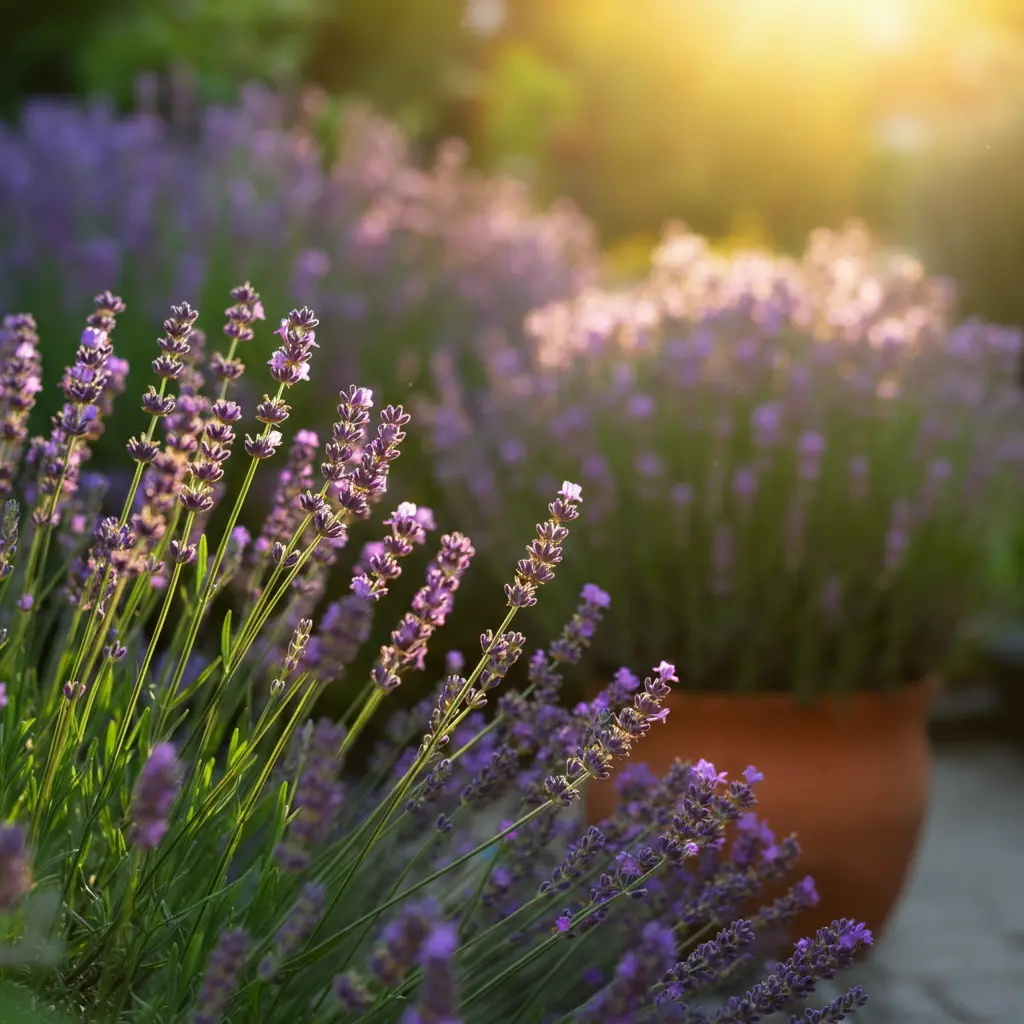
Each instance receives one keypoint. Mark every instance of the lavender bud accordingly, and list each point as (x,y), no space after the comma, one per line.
(74,690)
(264,446)
(143,450)
(183,554)
(156,405)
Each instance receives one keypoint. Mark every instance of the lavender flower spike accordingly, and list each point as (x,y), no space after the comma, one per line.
(635,975)
(545,552)
(290,363)
(296,929)
(221,978)
(437,998)
(317,797)
(154,796)
(430,608)
(20,382)
(15,876)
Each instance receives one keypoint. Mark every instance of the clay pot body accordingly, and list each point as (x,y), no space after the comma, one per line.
(850,776)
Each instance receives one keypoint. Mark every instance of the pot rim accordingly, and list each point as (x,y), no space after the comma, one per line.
(906,701)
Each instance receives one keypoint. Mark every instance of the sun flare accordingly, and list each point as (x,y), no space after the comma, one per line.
(877,24)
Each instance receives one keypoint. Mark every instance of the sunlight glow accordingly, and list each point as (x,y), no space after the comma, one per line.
(875,24)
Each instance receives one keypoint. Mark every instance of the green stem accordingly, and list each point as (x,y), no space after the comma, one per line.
(126,722)
(42,808)
(541,948)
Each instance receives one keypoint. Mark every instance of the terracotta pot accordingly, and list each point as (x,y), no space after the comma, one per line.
(850,776)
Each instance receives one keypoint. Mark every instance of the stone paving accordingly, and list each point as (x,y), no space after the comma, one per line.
(954,951)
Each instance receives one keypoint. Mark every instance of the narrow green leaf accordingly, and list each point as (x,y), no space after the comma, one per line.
(186,694)
(233,746)
(225,637)
(201,563)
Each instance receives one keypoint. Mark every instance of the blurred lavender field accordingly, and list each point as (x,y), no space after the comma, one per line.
(336,215)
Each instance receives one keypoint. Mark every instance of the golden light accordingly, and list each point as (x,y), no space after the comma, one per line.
(879,25)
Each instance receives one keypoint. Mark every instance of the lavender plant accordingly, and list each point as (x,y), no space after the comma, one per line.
(339,214)
(180,838)
(791,466)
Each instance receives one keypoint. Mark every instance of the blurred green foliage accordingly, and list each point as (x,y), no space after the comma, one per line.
(966,208)
(101,46)
(224,41)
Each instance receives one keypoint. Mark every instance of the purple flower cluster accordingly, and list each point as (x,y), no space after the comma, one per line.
(88,386)
(832,949)
(635,975)
(383,248)
(430,607)
(545,552)
(417,937)
(20,382)
(302,919)
(221,978)
(317,798)
(15,874)
(293,480)
(156,789)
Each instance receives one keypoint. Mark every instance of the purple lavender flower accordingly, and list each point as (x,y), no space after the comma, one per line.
(20,382)
(430,608)
(15,874)
(155,792)
(838,1010)
(290,363)
(366,483)
(897,539)
(298,926)
(402,942)
(297,476)
(351,992)
(637,972)
(59,458)
(813,960)
(766,423)
(544,553)
(318,795)
(810,448)
(221,978)
(344,629)
(383,564)
(436,1002)
(705,965)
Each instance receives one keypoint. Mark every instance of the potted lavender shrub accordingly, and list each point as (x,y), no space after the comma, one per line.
(178,841)
(786,465)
